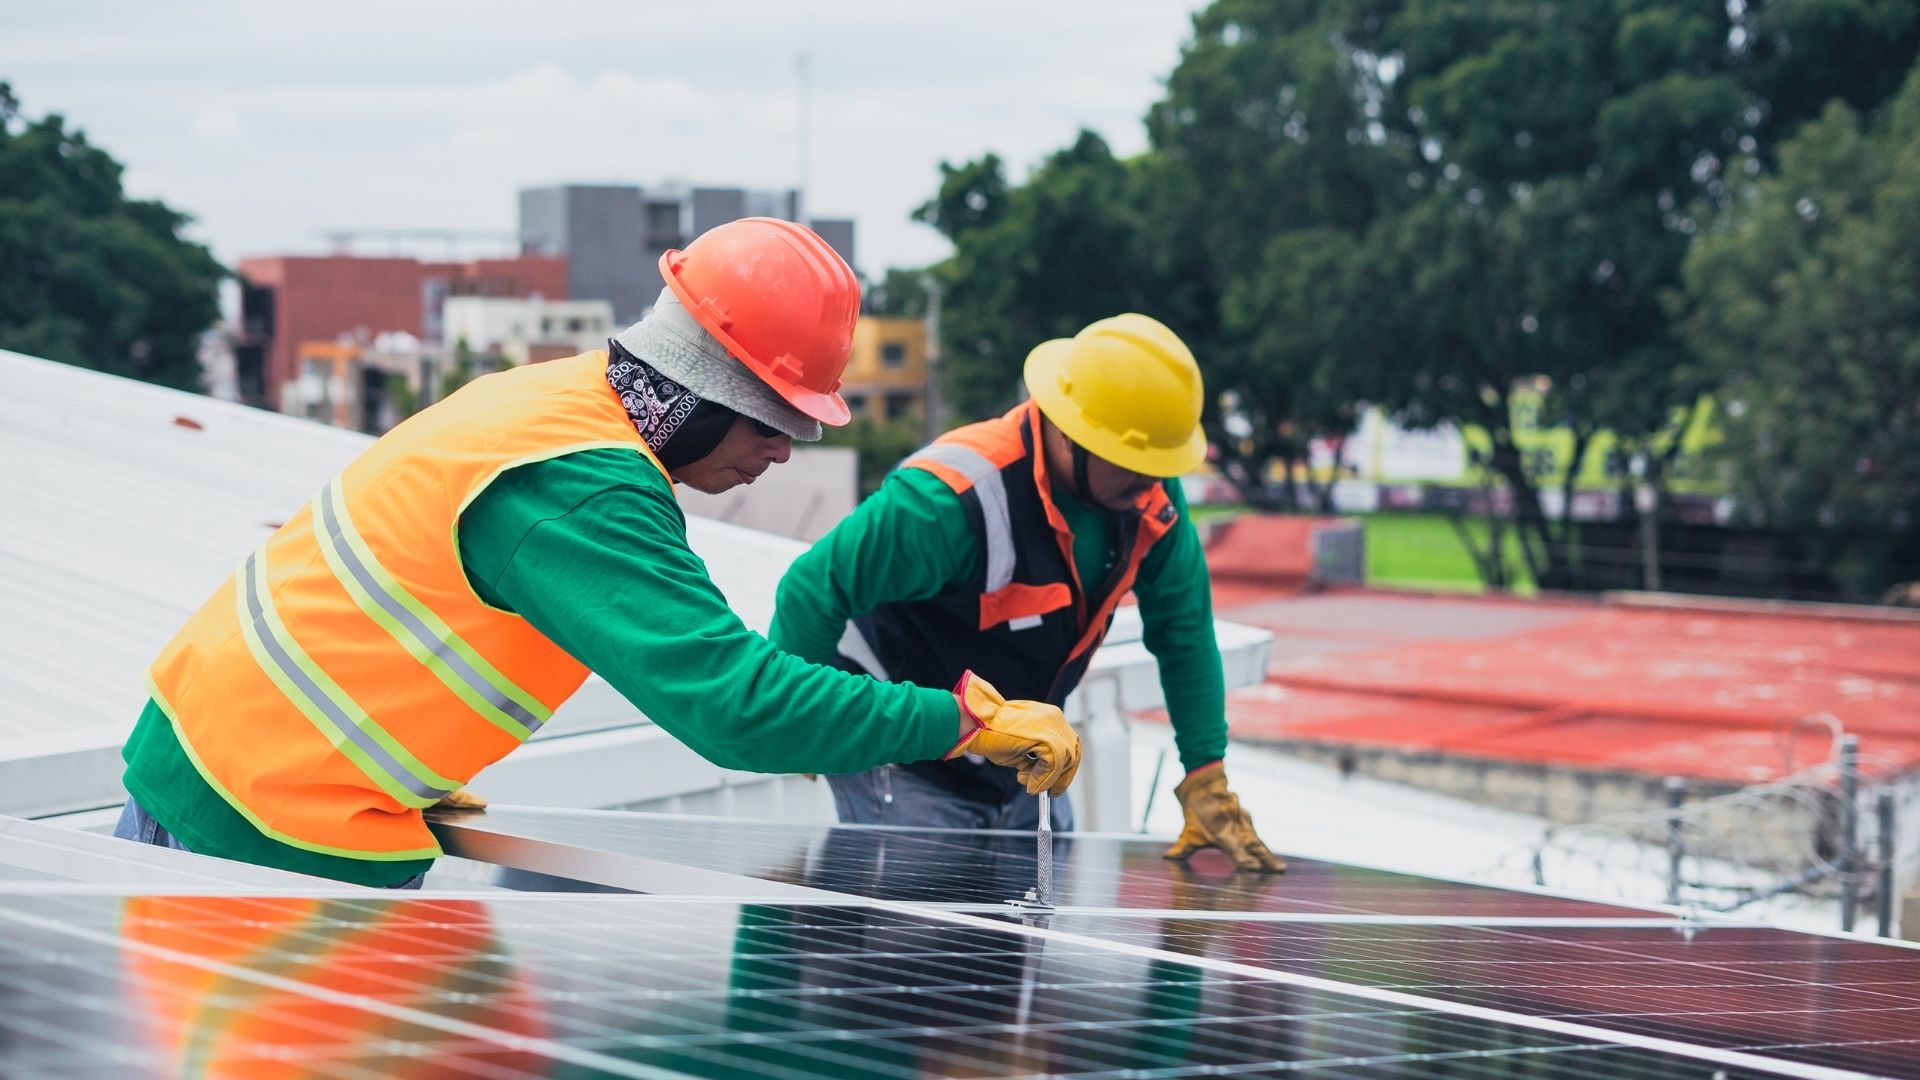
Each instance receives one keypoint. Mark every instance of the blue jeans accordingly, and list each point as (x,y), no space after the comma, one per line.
(139,826)
(892,796)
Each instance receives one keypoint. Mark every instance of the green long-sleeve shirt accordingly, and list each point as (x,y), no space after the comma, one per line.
(591,549)
(910,540)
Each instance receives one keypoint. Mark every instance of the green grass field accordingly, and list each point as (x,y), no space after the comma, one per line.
(1417,551)
(1422,551)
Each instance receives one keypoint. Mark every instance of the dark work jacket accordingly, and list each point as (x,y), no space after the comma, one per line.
(1027,624)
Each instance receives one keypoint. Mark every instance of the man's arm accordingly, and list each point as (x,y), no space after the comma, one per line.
(907,541)
(591,549)
(1176,616)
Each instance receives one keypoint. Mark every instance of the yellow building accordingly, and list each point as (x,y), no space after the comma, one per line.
(886,378)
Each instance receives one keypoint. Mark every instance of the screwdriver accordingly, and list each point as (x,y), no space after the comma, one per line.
(1044,851)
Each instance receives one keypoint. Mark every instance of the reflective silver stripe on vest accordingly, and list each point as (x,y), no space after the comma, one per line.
(427,640)
(992,492)
(323,702)
(855,647)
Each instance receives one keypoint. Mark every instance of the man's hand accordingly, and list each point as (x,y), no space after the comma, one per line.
(461,799)
(1216,819)
(1006,732)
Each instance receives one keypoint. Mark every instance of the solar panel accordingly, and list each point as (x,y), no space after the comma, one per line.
(1819,1000)
(34,853)
(790,951)
(360,985)
(960,867)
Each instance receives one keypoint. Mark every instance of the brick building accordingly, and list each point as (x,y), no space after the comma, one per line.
(288,300)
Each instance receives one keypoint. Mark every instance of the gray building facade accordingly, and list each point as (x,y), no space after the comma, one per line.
(614,234)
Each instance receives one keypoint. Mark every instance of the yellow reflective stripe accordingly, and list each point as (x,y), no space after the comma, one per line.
(186,746)
(425,636)
(337,716)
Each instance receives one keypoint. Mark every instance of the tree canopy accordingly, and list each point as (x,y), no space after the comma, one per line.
(1418,204)
(1805,311)
(87,275)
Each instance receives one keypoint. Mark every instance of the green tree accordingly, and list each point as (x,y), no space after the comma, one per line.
(460,368)
(1032,262)
(1428,204)
(1806,309)
(87,275)
(901,294)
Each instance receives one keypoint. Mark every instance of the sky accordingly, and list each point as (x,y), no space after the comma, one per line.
(272,124)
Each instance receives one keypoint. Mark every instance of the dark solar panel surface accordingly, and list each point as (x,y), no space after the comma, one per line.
(519,986)
(947,867)
(1823,1001)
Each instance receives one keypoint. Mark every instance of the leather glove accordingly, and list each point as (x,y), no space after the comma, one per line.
(1216,819)
(461,799)
(1007,732)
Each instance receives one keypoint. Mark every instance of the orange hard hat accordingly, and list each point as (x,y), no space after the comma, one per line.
(780,300)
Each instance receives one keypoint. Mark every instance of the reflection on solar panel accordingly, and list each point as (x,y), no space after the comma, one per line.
(1825,1001)
(642,987)
(796,952)
(957,867)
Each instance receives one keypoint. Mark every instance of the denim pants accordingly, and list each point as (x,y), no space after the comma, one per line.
(139,826)
(890,795)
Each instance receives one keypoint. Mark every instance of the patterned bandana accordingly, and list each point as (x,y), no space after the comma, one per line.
(657,404)
(678,425)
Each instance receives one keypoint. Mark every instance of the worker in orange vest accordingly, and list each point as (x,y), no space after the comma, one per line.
(434,603)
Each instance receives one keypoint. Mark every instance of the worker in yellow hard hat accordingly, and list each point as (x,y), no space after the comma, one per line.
(1004,548)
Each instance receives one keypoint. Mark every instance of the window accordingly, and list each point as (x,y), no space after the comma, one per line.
(856,404)
(899,405)
(893,353)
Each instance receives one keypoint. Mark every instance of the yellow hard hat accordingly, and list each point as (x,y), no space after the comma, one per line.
(1126,389)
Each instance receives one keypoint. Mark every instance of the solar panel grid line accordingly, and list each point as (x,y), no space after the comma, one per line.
(1332,918)
(841,1061)
(1574,1030)
(420,1018)
(1248,1053)
(80,1041)
(1757,987)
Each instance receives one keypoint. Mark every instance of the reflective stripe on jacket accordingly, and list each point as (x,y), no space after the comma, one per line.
(347,675)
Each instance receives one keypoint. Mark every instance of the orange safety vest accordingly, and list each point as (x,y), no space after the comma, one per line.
(347,675)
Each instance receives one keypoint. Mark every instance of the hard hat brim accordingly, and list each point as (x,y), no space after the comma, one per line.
(1042,374)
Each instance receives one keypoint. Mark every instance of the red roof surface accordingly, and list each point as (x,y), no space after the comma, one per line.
(1710,689)
(1711,694)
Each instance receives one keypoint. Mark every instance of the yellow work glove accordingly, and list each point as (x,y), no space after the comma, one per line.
(1216,819)
(1031,736)
(461,799)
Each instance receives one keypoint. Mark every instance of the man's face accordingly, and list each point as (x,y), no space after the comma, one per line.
(749,449)
(1111,486)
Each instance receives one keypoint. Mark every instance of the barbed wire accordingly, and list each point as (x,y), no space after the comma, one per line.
(1751,850)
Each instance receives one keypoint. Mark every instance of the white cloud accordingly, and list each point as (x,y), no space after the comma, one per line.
(304,122)
(216,125)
